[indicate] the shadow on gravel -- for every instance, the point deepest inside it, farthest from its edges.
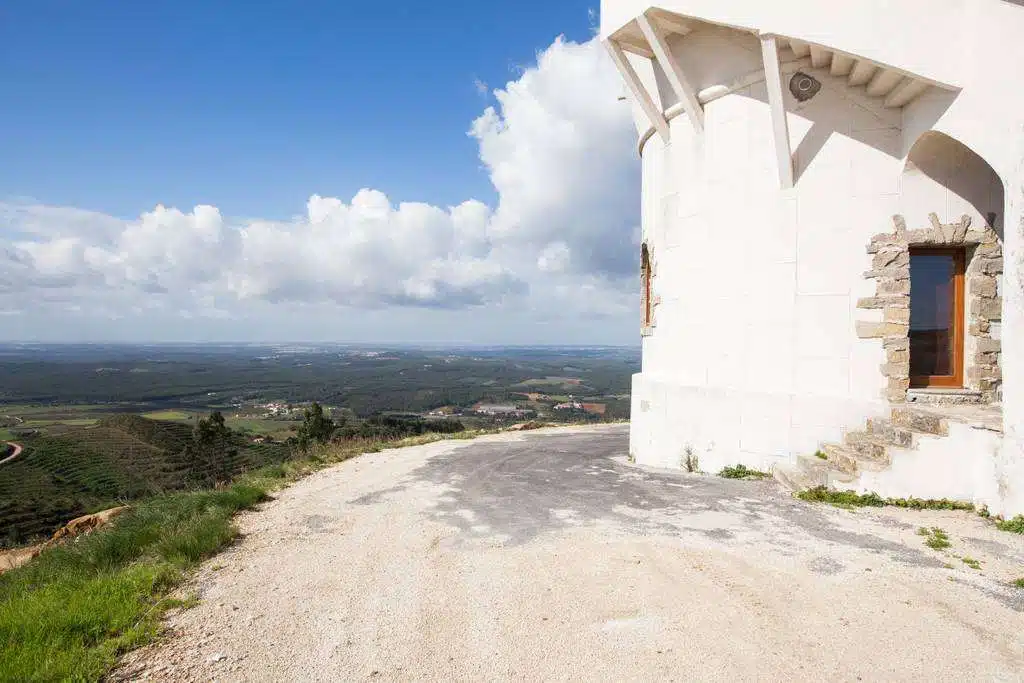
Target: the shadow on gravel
(549, 482)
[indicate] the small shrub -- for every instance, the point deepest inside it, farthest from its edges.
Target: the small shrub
(1019, 583)
(1015, 525)
(820, 454)
(935, 538)
(690, 461)
(742, 472)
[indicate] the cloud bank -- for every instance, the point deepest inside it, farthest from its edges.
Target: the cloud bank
(559, 150)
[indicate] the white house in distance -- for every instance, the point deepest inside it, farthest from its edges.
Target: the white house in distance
(833, 240)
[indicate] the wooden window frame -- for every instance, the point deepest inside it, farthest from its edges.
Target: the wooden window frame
(646, 293)
(956, 380)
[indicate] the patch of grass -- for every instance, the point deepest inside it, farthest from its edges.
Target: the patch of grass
(1014, 525)
(930, 504)
(935, 538)
(742, 472)
(971, 562)
(1019, 583)
(820, 454)
(849, 499)
(71, 612)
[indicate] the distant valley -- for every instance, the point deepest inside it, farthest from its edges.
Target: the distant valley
(102, 425)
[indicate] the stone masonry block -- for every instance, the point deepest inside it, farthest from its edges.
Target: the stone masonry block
(887, 287)
(896, 315)
(871, 330)
(982, 286)
(895, 370)
(987, 308)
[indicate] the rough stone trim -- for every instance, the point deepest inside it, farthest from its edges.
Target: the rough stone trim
(890, 269)
(647, 323)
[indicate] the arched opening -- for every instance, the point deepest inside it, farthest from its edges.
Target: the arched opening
(950, 249)
(946, 177)
(646, 304)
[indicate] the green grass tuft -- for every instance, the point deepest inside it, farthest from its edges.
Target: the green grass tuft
(935, 538)
(971, 562)
(68, 614)
(742, 472)
(821, 455)
(1014, 525)
(1019, 583)
(849, 499)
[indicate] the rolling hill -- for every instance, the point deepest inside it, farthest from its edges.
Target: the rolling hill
(122, 458)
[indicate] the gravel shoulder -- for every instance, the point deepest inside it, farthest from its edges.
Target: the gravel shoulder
(545, 555)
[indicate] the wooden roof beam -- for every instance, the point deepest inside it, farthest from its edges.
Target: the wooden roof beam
(681, 85)
(819, 57)
(906, 92)
(841, 65)
(861, 73)
(800, 48)
(777, 109)
(636, 86)
(883, 82)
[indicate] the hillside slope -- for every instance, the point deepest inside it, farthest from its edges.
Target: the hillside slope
(122, 458)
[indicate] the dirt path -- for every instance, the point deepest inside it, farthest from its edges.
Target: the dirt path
(547, 556)
(14, 454)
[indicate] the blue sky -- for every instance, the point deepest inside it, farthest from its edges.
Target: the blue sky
(114, 108)
(253, 106)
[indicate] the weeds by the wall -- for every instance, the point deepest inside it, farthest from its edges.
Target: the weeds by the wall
(1019, 583)
(1014, 525)
(742, 472)
(849, 499)
(846, 499)
(690, 461)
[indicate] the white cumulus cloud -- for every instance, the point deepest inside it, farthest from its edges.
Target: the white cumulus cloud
(559, 150)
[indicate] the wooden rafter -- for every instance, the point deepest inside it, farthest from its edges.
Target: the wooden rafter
(682, 87)
(633, 82)
(777, 109)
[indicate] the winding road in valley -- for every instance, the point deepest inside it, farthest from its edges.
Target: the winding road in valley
(547, 555)
(14, 454)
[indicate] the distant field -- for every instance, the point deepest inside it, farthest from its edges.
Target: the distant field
(550, 381)
(106, 423)
(279, 429)
(172, 415)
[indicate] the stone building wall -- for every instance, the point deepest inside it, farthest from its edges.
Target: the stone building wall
(890, 270)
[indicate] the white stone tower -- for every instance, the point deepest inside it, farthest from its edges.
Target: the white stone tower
(832, 260)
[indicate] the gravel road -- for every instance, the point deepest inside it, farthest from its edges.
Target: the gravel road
(546, 555)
